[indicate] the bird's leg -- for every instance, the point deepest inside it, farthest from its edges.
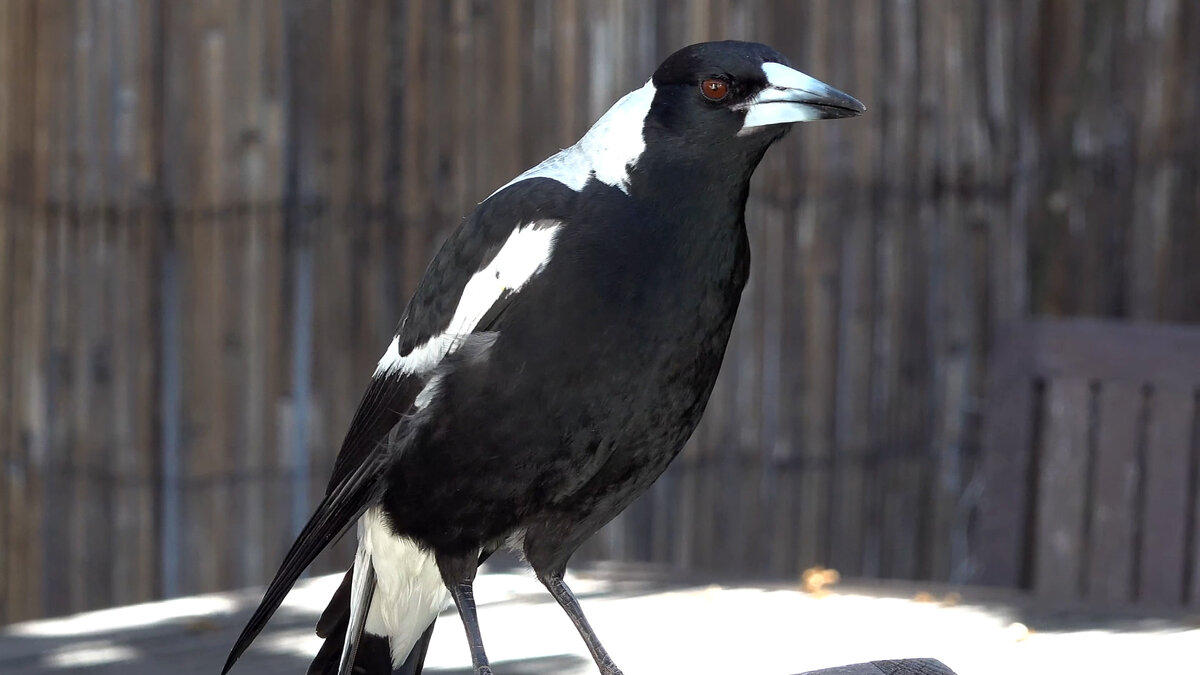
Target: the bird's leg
(459, 574)
(566, 599)
(464, 598)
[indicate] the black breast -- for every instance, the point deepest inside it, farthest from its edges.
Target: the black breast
(595, 381)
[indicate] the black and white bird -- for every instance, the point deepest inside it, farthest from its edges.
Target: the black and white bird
(555, 357)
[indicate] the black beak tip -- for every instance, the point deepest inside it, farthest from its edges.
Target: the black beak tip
(841, 108)
(852, 106)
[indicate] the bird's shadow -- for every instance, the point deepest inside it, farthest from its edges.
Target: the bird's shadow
(542, 665)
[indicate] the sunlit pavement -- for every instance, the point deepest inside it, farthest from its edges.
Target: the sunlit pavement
(649, 626)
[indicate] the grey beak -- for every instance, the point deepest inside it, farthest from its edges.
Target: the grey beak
(791, 96)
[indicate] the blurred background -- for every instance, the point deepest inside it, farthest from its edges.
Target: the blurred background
(968, 353)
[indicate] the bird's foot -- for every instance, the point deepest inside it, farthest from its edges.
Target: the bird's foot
(610, 668)
(483, 670)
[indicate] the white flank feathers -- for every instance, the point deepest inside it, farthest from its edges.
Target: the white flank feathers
(607, 150)
(409, 593)
(521, 257)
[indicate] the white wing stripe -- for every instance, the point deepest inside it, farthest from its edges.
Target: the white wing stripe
(523, 255)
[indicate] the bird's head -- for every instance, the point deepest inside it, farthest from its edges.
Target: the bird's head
(719, 91)
(706, 117)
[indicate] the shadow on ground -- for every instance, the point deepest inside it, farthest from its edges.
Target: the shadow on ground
(542, 665)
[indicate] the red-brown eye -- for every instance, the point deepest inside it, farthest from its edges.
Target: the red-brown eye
(714, 89)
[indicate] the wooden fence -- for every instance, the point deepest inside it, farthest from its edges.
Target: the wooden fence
(211, 214)
(1091, 462)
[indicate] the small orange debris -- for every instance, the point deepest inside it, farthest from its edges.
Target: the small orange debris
(1018, 631)
(816, 579)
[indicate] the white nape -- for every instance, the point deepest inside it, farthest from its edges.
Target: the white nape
(523, 255)
(606, 151)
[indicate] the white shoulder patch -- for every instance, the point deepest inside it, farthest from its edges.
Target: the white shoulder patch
(607, 150)
(520, 258)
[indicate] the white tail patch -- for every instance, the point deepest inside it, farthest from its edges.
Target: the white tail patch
(409, 593)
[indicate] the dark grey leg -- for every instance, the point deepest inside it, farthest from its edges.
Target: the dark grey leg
(459, 575)
(566, 599)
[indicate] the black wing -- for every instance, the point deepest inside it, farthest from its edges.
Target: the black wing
(468, 250)
(392, 392)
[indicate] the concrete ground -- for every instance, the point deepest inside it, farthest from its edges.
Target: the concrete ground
(648, 623)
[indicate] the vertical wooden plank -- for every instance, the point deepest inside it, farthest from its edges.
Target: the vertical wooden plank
(250, 106)
(337, 382)
(415, 186)
(375, 135)
(1001, 536)
(80, 309)
(1058, 62)
(1191, 590)
(275, 342)
(1061, 494)
(304, 40)
(957, 359)
(100, 555)
(1162, 558)
(1010, 110)
(748, 445)
(54, 167)
(138, 579)
(129, 34)
(901, 341)
(1111, 531)
(10, 457)
(200, 41)
(1185, 282)
(1150, 33)
(173, 236)
(260, 305)
(853, 424)
(820, 245)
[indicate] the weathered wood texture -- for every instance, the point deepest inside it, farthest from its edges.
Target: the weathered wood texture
(890, 667)
(1089, 472)
(211, 214)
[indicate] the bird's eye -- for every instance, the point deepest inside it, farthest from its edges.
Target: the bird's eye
(714, 89)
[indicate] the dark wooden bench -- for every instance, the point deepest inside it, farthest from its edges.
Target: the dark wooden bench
(899, 667)
(1090, 462)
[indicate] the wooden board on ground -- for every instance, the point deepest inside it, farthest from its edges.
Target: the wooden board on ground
(901, 667)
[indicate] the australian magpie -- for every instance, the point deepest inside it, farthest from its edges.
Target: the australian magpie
(553, 360)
